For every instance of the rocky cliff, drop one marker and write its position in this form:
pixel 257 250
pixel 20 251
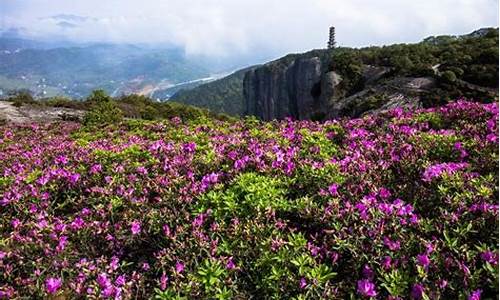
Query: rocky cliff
pixel 305 88
pixel 301 88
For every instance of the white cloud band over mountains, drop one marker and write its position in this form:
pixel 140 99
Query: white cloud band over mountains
pixel 222 27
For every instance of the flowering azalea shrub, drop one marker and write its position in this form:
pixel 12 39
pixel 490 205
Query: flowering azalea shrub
pixel 402 205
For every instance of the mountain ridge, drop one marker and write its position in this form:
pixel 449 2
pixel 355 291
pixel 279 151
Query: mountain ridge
pixel 471 58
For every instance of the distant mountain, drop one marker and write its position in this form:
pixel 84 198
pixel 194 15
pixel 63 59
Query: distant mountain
pixel 76 71
pixel 329 83
pixel 15 43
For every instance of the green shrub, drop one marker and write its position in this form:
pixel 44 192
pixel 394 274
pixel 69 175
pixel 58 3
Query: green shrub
pixel 104 110
pixel 22 98
pixel 449 76
pixel 65 102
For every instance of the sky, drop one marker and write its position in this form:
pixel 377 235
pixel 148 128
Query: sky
pixel 241 27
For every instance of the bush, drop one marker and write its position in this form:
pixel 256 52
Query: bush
pixel 449 76
pixel 65 103
pixel 21 98
pixel 104 110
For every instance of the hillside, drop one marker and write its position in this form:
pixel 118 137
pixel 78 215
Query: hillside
pixel 223 95
pixel 356 81
pixel 76 71
pixel 399 205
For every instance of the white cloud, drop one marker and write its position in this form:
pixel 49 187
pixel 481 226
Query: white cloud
pixel 218 27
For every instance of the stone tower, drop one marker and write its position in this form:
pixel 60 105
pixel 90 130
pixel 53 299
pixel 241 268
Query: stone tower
pixel 331 42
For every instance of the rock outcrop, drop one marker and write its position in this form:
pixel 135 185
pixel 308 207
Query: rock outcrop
pixel 300 88
pixel 305 89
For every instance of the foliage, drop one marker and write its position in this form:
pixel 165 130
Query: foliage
pixel 348 63
pixel 103 110
pixel 20 98
pixel 222 96
pixel 402 204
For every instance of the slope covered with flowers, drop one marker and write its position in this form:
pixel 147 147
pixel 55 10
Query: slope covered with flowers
pixel 396 206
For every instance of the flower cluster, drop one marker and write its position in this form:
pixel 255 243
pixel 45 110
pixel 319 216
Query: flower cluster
pixel 402 205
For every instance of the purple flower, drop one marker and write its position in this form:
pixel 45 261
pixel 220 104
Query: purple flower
pixel 417 291
pixel 163 281
pixel 61 160
pixel 423 260
pixel 15 223
pixel 189 147
pixel 366 288
pixel 392 245
pixel 179 267
pixel 142 170
pixel 230 264
pixel 135 227
pixel 489 256
pixel 120 280
pixel 444 168
pixel 52 285
pixel 166 230
pixel 387 262
pixel 442 284
pixel 475 295
pixel 73 178
pixel 384 193
pixel 368 272
pixel 333 189
pixel 95 169
pixel 302 283
pixel 103 281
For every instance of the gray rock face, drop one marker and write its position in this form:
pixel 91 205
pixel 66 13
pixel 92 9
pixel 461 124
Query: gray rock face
pixel 299 89
pixel 304 89
pixel 396 92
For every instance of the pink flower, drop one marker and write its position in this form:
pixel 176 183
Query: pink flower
pixel 120 280
pixel 417 291
pixel 384 193
pixel 333 189
pixel 52 285
pixel 230 264
pixel 73 178
pixel 366 288
pixel 166 230
pixel 179 267
pixel 15 223
pixel 163 281
pixel 142 170
pixel 103 281
pixel 444 168
pixel 302 283
pixel 387 262
pixel 95 169
pixel 490 257
pixel 476 295
pixel 423 260
pixel 392 245
pixel 442 284
pixel 135 227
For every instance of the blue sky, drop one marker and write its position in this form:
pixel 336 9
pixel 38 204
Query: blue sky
pixel 224 27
